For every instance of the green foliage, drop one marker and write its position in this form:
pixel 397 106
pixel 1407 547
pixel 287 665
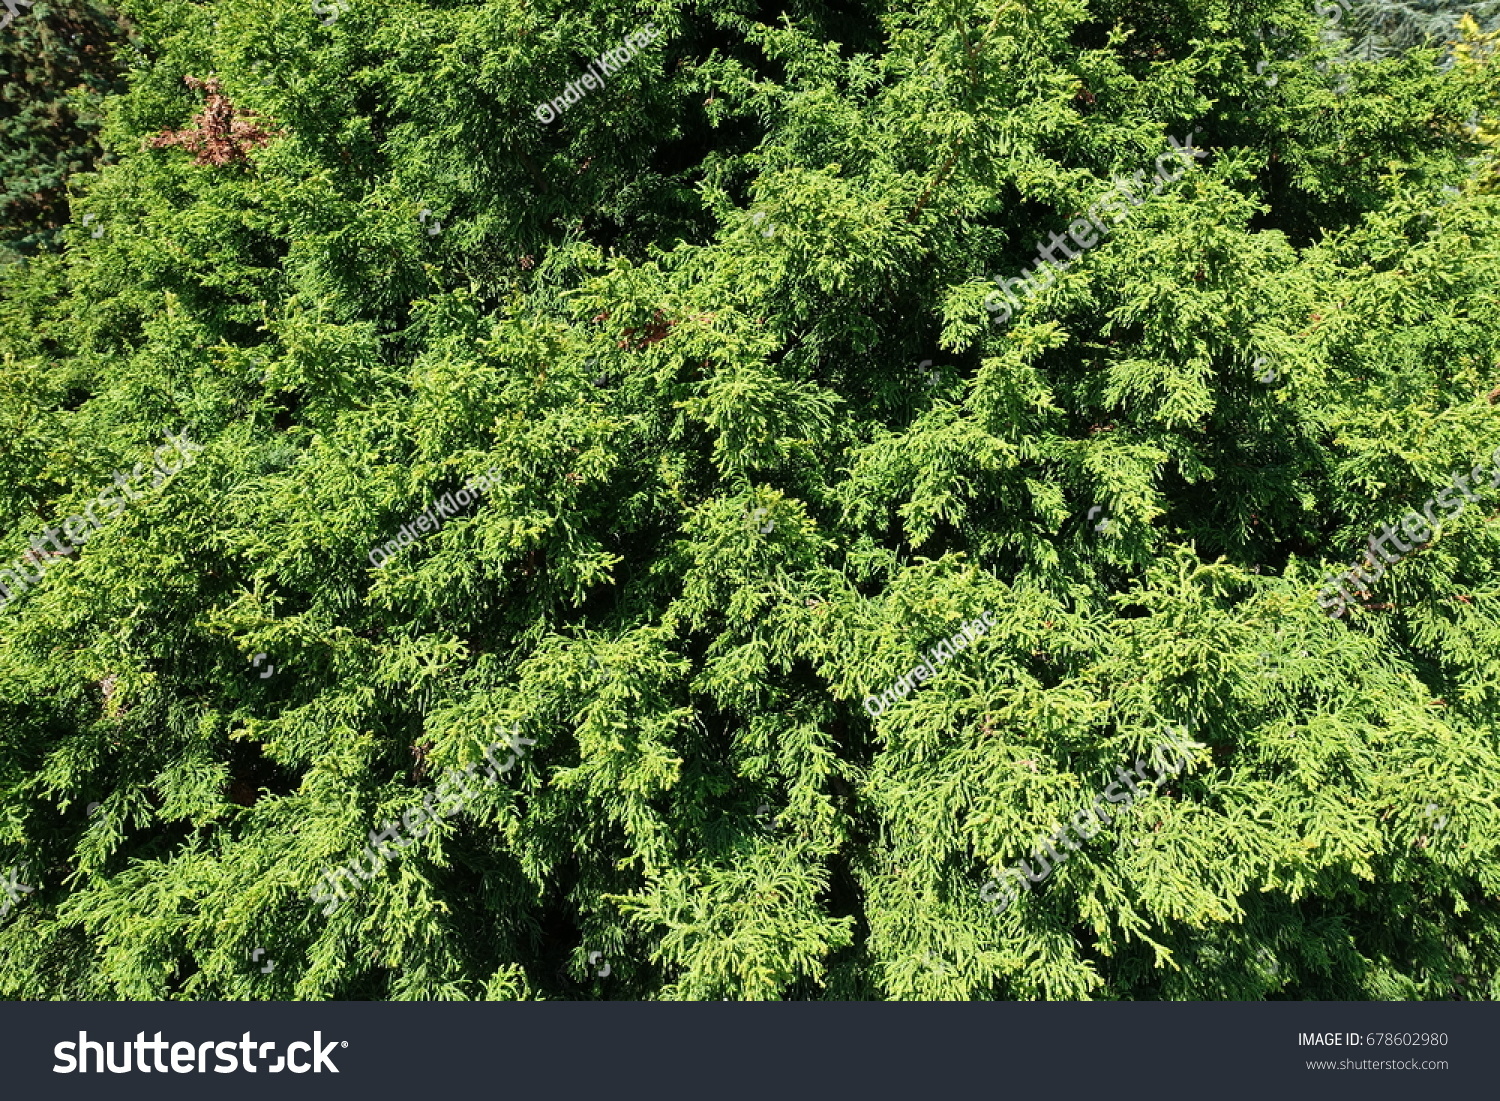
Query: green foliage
pixel 732 504
pixel 58 62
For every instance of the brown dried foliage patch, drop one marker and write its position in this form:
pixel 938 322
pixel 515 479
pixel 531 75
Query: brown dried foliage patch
pixel 222 134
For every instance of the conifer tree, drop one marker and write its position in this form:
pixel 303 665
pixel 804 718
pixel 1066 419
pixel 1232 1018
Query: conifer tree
pixel 723 339
pixel 57 62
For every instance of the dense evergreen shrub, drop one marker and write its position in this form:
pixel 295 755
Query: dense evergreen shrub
pixel 720 332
